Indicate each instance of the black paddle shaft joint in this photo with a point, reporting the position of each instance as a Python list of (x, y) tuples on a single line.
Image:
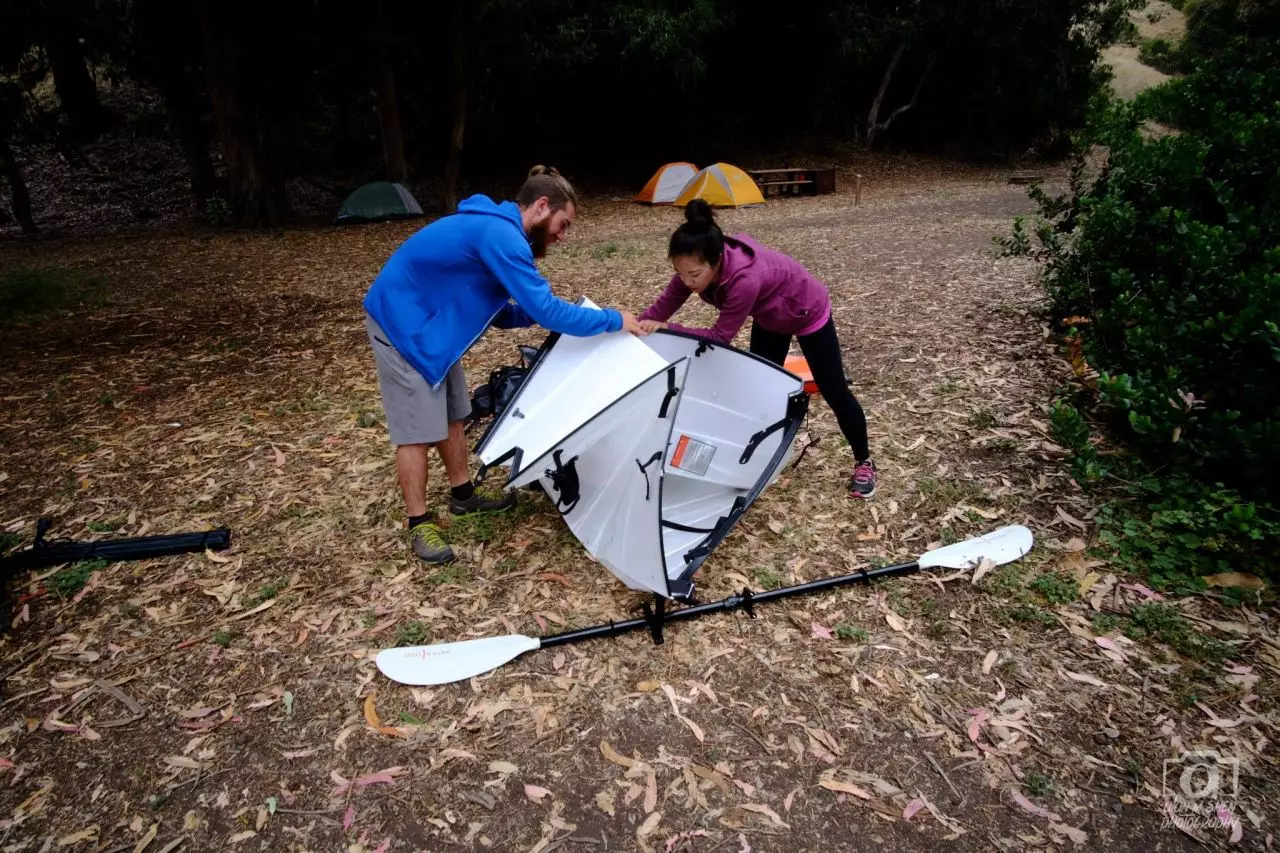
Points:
[(657, 616)]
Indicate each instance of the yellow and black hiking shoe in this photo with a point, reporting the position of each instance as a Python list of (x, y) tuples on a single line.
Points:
[(483, 501), (429, 544)]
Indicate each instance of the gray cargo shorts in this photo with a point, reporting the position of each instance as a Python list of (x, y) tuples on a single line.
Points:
[(416, 412)]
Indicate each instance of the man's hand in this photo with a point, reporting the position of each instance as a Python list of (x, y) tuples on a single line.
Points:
[(631, 324), (651, 326)]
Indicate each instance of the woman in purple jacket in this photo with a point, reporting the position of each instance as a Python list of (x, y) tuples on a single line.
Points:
[(742, 279)]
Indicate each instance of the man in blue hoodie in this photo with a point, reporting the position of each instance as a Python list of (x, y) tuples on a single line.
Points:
[(432, 301)]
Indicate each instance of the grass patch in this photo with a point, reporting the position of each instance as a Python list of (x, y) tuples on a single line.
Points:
[(1055, 588), (983, 419), (935, 614), (1030, 615), (487, 527), (475, 528), (950, 492), (267, 591), (845, 631), (1165, 624), (506, 564), (451, 573), (1002, 446), (766, 577), (1037, 784), (1104, 623), (67, 582), (605, 251), (223, 638), (415, 633), (104, 526), (27, 293), (1005, 582)]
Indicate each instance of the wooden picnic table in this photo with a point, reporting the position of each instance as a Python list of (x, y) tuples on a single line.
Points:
[(797, 180)]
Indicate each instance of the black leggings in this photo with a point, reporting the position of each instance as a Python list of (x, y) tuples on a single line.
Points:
[(822, 352)]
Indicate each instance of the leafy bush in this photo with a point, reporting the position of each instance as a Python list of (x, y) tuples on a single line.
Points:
[(1162, 55), (1174, 259), (1166, 268), (1176, 529)]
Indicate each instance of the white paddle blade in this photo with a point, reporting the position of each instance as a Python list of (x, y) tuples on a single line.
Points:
[(443, 663), (1000, 546)]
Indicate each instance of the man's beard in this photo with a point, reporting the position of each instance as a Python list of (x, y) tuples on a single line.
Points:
[(540, 238)]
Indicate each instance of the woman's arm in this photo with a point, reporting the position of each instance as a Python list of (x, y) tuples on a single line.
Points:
[(669, 302), (733, 314)]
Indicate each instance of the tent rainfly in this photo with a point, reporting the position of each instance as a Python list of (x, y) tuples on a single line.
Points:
[(652, 448), (721, 185), (378, 202), (665, 185)]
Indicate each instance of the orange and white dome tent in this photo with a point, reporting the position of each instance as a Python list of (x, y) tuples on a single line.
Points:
[(721, 185), (665, 185)]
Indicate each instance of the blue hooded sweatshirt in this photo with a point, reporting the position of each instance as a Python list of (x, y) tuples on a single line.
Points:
[(440, 291)]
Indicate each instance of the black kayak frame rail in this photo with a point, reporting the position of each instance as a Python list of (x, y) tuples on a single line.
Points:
[(657, 616), (43, 554)]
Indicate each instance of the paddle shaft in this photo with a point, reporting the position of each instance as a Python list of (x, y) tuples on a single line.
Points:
[(115, 550), (733, 602)]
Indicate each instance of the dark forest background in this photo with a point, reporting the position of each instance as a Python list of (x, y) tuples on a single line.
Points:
[(256, 95)]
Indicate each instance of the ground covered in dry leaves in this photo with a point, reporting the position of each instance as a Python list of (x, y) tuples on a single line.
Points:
[(230, 701)]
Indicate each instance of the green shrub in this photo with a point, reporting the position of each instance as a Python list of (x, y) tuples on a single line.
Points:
[(1162, 55), (1174, 259), (1166, 267), (1175, 528), (30, 292)]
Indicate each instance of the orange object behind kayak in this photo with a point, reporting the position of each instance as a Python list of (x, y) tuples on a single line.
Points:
[(800, 367)]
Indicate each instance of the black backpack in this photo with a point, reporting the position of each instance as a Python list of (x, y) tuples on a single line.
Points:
[(493, 397)]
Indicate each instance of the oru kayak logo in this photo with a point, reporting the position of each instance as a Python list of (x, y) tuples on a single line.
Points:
[(423, 653)]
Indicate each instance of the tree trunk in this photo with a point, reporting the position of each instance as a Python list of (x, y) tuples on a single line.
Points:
[(74, 85), (21, 198), (182, 102), (454, 166), (255, 197), (873, 126), (388, 108), (873, 115)]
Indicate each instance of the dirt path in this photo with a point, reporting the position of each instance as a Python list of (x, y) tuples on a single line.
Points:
[(225, 384)]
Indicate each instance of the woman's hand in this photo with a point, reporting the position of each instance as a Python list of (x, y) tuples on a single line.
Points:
[(631, 324), (651, 326)]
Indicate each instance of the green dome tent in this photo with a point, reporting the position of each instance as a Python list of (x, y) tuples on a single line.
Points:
[(378, 202)]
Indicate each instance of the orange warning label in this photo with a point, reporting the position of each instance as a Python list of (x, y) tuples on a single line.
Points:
[(692, 456)]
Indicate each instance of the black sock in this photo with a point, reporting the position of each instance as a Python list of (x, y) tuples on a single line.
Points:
[(464, 492), (415, 520)]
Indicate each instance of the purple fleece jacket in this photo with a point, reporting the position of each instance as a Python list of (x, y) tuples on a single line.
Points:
[(773, 289)]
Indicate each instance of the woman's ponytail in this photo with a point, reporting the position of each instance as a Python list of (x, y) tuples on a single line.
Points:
[(699, 235)]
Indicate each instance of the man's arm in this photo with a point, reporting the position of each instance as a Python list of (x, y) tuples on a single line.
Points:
[(512, 264), (512, 316)]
